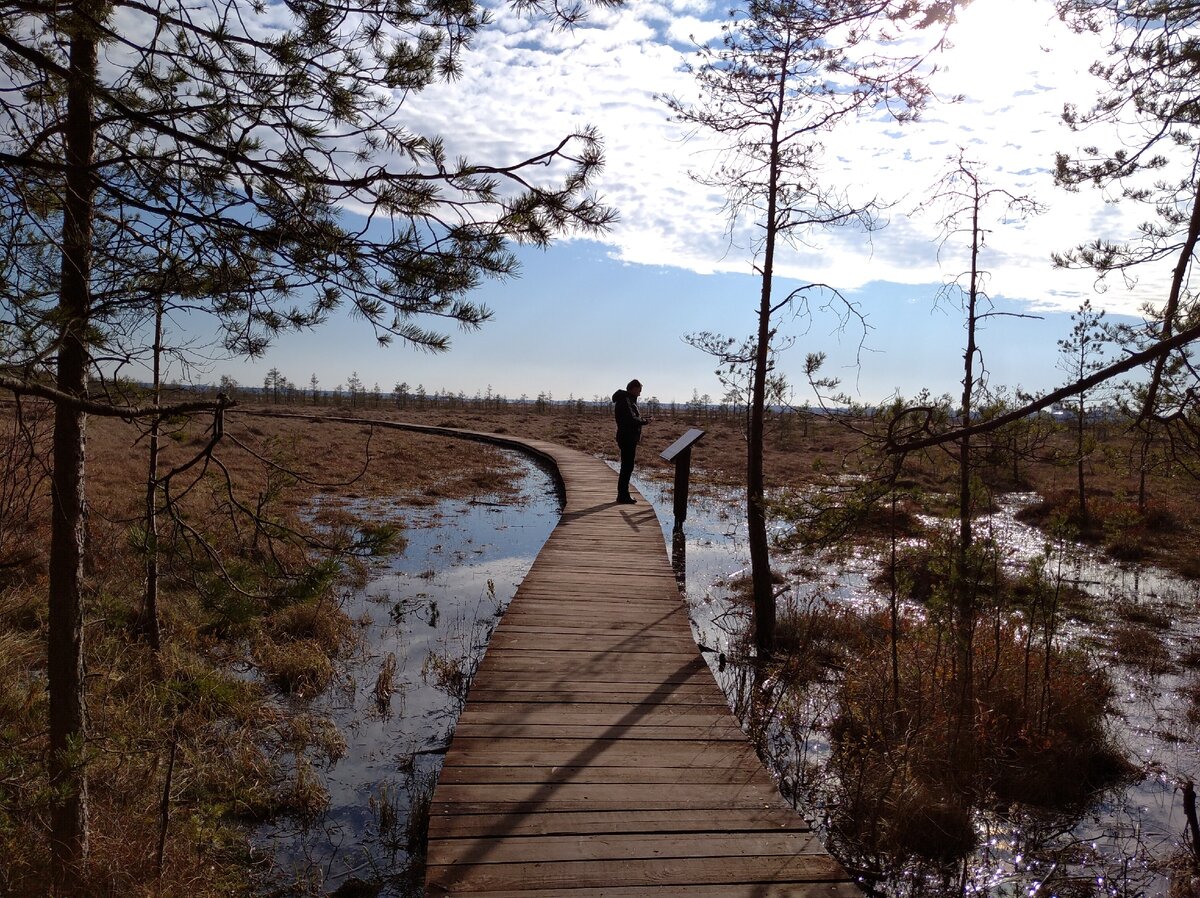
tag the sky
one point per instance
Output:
(586, 315)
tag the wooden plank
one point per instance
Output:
(677, 890)
(756, 793)
(461, 775)
(633, 872)
(509, 667)
(596, 755)
(615, 664)
(715, 732)
(647, 714)
(608, 753)
(746, 821)
(640, 846)
(684, 694)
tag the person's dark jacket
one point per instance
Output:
(629, 420)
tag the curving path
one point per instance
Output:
(596, 755)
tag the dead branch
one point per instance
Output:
(1159, 350)
(101, 409)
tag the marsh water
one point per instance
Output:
(1129, 840)
(433, 606)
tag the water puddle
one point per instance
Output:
(423, 618)
(1124, 843)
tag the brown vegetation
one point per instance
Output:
(264, 596)
(237, 589)
(804, 451)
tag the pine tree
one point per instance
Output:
(1152, 93)
(785, 73)
(1081, 354)
(203, 156)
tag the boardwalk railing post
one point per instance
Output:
(679, 558)
(680, 452)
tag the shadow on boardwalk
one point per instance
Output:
(596, 755)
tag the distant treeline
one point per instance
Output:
(279, 390)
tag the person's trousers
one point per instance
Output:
(628, 452)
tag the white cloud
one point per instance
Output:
(689, 30)
(527, 84)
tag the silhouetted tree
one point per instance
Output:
(203, 155)
(1081, 354)
(1152, 94)
(785, 73)
(273, 384)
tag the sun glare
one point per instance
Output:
(1001, 47)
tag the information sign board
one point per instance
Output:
(684, 442)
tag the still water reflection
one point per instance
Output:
(1128, 842)
(431, 608)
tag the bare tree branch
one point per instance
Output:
(1130, 362)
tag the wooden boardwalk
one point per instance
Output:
(596, 755)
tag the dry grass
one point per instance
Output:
(267, 604)
(385, 684)
(1137, 646)
(265, 596)
(910, 766)
(822, 450)
(299, 667)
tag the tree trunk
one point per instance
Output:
(65, 675)
(1171, 309)
(963, 583)
(756, 517)
(149, 624)
(1143, 462)
(894, 614)
(1079, 441)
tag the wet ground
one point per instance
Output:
(433, 607)
(1129, 841)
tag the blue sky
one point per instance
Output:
(587, 315)
(577, 323)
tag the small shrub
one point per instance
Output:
(385, 683)
(200, 689)
(1126, 545)
(307, 798)
(1135, 613)
(1190, 691)
(1159, 519)
(911, 765)
(386, 810)
(1139, 647)
(300, 667)
(21, 697)
(321, 622)
(1190, 658)
(420, 801)
(931, 825)
(449, 674)
(815, 637)
(915, 573)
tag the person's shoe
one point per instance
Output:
(626, 500)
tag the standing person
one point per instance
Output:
(629, 430)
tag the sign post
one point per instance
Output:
(680, 452)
